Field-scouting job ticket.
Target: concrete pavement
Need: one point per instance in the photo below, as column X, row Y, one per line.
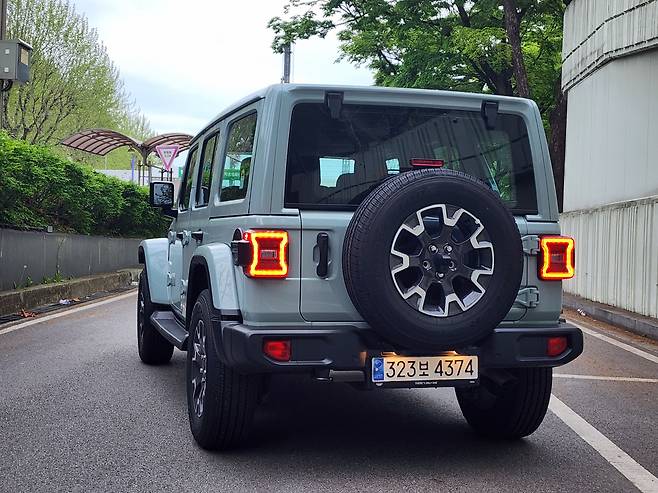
column 78, row 411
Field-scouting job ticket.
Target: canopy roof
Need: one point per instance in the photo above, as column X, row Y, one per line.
column 100, row 141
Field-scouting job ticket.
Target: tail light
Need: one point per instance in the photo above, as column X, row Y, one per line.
column 263, row 254
column 555, row 346
column 557, row 259
column 279, row 350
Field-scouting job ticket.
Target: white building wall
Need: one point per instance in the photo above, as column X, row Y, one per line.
column 610, row 71
column 597, row 31
column 612, row 134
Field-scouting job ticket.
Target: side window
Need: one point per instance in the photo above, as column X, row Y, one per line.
column 186, row 186
column 204, row 178
column 237, row 160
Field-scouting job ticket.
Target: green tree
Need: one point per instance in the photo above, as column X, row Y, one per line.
column 74, row 84
column 507, row 47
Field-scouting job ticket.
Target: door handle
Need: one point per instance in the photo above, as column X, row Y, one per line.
column 183, row 236
column 323, row 249
column 198, row 236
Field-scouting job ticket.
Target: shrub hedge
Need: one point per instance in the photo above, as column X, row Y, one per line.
column 39, row 188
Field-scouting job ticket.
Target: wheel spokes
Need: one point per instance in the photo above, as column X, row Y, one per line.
column 429, row 255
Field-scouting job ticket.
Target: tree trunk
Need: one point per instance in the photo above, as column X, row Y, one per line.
column 514, row 38
column 558, row 122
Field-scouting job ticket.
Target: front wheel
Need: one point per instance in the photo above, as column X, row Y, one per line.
column 515, row 411
column 153, row 348
column 220, row 401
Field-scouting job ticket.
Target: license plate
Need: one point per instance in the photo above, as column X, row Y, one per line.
column 424, row 368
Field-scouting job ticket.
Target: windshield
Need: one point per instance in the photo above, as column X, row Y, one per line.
column 336, row 162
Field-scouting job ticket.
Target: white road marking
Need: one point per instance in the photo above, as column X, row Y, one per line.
column 86, row 306
column 608, row 379
column 620, row 460
column 619, row 344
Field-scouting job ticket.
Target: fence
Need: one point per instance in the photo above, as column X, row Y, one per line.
column 37, row 255
column 616, row 254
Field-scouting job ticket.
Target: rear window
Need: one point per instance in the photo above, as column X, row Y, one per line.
column 336, row 163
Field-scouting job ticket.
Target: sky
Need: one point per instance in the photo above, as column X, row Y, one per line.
column 184, row 61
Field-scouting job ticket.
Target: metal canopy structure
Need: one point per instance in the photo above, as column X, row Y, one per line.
column 100, row 141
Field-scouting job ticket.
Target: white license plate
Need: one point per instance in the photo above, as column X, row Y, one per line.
column 424, row 368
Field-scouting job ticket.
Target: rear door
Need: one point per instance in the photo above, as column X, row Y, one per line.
column 324, row 297
column 334, row 162
column 198, row 215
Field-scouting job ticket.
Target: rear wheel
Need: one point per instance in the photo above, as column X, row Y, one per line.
column 513, row 411
column 220, row 401
column 153, row 348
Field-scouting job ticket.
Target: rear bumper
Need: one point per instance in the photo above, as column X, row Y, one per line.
column 348, row 348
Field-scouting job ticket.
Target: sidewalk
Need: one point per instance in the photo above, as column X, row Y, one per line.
column 633, row 322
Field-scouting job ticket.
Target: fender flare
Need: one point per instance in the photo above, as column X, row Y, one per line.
column 217, row 260
column 153, row 254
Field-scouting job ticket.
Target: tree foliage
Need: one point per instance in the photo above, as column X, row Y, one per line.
column 74, row 84
column 454, row 44
column 39, row 188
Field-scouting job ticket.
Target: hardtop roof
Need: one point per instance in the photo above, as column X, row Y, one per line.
column 348, row 89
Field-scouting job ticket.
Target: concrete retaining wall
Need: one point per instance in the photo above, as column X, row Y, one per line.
column 40, row 254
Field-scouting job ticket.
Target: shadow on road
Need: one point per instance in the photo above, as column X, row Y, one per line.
column 323, row 428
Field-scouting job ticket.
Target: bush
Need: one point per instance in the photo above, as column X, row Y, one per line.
column 39, row 188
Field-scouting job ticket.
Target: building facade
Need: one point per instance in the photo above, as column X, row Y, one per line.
column 610, row 73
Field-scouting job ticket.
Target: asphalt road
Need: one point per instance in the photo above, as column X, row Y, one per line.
column 78, row 411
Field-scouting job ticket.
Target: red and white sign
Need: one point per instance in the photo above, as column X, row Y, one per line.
column 167, row 153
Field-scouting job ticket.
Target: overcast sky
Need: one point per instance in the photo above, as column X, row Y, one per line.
column 184, row 61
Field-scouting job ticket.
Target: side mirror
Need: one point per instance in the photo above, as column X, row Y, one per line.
column 161, row 195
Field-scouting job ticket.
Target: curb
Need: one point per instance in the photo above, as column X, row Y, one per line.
column 633, row 322
column 44, row 294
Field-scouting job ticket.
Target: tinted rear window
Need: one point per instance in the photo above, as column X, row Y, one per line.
column 336, row 163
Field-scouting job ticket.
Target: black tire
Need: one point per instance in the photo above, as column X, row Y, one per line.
column 517, row 410
column 153, row 348
column 367, row 251
column 229, row 398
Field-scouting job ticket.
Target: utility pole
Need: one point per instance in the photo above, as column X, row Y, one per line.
column 287, row 55
column 3, row 19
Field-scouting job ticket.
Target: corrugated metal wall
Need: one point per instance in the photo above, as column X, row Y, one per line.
column 596, row 31
column 616, row 254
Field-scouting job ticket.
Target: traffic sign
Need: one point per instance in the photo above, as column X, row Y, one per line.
column 167, row 153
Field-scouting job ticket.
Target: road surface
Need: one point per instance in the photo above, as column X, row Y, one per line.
column 79, row 412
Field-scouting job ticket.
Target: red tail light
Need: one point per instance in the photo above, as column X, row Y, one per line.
column 269, row 254
column 278, row 350
column 555, row 346
column 557, row 258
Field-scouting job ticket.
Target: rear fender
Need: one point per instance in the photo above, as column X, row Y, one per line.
column 221, row 275
column 153, row 254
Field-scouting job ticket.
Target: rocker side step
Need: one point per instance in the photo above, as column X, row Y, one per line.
column 170, row 328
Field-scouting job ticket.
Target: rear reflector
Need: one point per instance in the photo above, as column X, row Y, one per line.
column 427, row 163
column 269, row 254
column 555, row 346
column 278, row 350
column 556, row 258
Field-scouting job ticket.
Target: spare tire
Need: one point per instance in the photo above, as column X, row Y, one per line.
column 432, row 259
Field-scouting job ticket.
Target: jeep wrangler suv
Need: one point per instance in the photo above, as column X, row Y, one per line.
column 381, row 237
